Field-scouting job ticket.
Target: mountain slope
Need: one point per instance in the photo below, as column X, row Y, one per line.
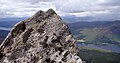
column 3, row 34
column 43, row 38
column 97, row 32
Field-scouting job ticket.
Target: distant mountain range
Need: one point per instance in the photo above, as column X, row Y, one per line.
column 97, row 32
column 3, row 34
column 9, row 22
column 6, row 24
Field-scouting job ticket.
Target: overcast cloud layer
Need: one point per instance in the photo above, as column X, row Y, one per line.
column 86, row 10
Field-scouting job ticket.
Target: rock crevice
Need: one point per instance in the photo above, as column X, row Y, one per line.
column 42, row 38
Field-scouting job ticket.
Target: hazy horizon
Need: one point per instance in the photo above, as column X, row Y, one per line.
column 73, row 11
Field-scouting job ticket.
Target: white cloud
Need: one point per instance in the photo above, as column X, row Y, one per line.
column 100, row 9
column 111, row 2
column 22, row 9
column 74, row 6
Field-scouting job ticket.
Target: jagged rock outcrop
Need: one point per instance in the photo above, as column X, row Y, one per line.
column 43, row 38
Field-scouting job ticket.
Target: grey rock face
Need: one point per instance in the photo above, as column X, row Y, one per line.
column 42, row 38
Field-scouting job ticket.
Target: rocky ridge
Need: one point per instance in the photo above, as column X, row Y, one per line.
column 42, row 38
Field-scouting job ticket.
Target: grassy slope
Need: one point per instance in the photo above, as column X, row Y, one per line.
column 99, row 56
column 99, row 36
column 97, row 32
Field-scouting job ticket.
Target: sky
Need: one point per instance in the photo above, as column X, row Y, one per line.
column 78, row 10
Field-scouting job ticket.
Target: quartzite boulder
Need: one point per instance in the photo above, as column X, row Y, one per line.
column 42, row 38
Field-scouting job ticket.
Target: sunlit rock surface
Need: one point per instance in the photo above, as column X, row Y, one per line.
column 42, row 38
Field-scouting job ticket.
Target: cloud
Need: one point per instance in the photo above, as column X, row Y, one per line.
column 74, row 6
column 111, row 2
column 21, row 8
column 83, row 9
column 30, row 1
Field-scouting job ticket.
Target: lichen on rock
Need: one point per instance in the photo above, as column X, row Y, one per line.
column 42, row 38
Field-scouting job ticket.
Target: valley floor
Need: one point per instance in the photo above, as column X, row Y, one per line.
column 96, row 56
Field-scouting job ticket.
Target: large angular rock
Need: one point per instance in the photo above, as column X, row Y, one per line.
column 43, row 38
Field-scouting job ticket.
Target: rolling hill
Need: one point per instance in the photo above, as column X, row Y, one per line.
column 3, row 34
column 97, row 32
column 6, row 24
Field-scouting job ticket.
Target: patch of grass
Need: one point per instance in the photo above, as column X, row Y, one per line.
column 98, row 36
column 94, row 56
column 91, row 49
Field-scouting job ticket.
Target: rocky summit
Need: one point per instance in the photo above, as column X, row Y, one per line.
column 42, row 38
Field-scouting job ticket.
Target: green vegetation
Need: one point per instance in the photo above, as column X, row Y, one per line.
column 98, row 36
column 100, row 33
column 91, row 49
column 97, row 32
column 98, row 56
